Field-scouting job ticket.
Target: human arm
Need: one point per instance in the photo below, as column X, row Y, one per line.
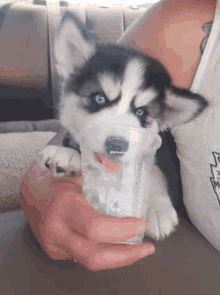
column 173, row 32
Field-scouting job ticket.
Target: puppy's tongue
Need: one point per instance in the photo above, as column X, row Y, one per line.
column 111, row 167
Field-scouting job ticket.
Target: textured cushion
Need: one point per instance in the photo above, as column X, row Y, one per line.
column 17, row 152
column 28, row 126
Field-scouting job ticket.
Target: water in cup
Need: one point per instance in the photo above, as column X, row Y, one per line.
column 117, row 162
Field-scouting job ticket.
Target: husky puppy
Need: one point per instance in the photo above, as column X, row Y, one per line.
column 105, row 84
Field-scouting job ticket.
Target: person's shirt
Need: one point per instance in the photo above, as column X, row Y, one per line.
column 175, row 36
column 198, row 144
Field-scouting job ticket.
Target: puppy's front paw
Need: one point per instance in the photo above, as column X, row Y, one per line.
column 61, row 161
column 162, row 219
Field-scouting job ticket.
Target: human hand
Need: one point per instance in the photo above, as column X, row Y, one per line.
column 68, row 227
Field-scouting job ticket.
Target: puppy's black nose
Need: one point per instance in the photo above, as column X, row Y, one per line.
column 116, row 146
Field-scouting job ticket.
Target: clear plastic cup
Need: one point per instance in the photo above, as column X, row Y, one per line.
column 117, row 163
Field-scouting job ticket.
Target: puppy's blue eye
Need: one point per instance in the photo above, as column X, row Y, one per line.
column 100, row 99
column 139, row 112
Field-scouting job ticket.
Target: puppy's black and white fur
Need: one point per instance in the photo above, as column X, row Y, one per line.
column 112, row 84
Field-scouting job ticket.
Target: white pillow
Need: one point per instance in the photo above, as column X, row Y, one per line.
column 198, row 145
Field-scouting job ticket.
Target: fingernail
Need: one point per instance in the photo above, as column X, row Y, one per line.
column 62, row 251
column 53, row 247
column 141, row 228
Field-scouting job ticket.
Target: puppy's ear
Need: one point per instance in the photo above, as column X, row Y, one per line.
column 74, row 45
column 182, row 106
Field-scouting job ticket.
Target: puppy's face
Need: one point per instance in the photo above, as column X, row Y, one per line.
column 111, row 84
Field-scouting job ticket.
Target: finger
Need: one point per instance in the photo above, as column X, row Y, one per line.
column 100, row 256
column 73, row 182
column 118, row 255
column 82, row 217
column 95, row 256
column 77, row 180
column 109, row 228
column 57, row 253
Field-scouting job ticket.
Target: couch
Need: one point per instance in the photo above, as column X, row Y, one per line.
column 28, row 121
